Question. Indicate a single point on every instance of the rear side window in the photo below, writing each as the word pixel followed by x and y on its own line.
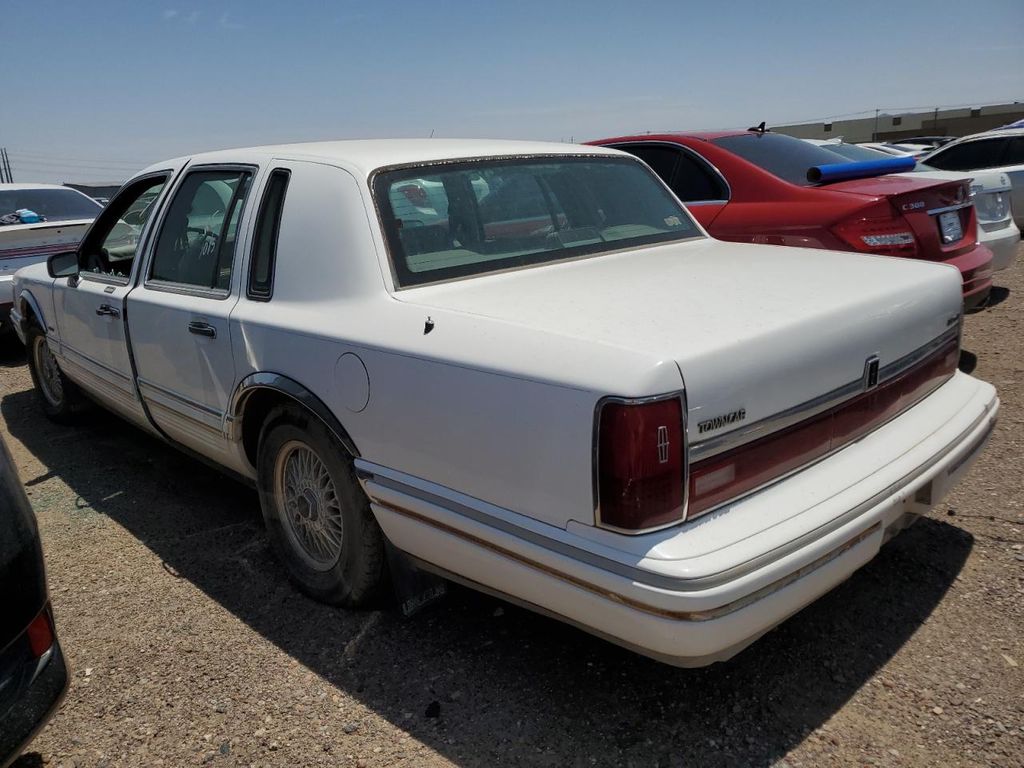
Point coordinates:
pixel 1015 152
pixel 268 225
pixel 661 159
pixel 197 240
pixel 691 179
pixel 970 156
pixel 694 182
pixel 780 155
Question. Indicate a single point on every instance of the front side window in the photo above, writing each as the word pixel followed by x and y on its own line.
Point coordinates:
pixel 970 156
pixel 469 218
pixel 110 247
pixel 197 240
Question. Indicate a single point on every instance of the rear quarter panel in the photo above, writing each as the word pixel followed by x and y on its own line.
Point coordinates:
pixel 485 408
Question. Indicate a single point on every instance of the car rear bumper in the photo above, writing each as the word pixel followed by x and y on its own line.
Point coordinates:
pixel 976 272
pixel 37 687
pixel 1003 243
pixel 701 592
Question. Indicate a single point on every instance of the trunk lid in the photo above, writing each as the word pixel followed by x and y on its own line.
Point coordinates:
pixel 753 328
pixel 940 213
pixel 23 244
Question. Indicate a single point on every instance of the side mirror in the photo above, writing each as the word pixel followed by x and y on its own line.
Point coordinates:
pixel 63 264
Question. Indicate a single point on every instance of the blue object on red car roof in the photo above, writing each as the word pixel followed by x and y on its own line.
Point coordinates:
pixel 859 170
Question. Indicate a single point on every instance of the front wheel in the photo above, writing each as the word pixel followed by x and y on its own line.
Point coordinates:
pixel 55 392
pixel 318 518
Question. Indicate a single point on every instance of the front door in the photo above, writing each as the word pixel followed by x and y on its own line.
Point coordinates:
pixel 179 313
pixel 90 305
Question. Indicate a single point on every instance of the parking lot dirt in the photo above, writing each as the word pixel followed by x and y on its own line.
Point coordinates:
pixel 188 646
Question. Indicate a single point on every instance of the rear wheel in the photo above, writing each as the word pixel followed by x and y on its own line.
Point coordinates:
pixel 58 396
pixel 318 517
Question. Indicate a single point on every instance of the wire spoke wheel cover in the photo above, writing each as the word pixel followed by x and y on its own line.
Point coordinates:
pixel 49 374
pixel 308 503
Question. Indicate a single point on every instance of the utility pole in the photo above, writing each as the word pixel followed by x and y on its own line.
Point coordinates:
pixel 6 166
pixel 874 136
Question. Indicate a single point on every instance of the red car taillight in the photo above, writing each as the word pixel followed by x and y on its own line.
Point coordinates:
pixel 641 464
pixel 40 634
pixel 888 236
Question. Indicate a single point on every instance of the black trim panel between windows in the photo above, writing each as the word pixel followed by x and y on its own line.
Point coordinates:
pixel 268 228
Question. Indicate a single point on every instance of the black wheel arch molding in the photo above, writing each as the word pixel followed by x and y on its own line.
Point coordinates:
pixel 27 299
pixel 282 385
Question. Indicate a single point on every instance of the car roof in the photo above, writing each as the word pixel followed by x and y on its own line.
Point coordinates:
pixel 671 135
pixel 993 134
pixel 17 187
pixel 368 155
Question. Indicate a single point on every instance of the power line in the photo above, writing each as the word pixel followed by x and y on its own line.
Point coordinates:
pixel 64 158
pixel 73 166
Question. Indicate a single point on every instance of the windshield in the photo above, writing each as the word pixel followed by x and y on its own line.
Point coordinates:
pixel 51 204
pixel 782 156
pixel 462 219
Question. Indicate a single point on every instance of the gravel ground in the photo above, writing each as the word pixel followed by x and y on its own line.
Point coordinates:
pixel 189 647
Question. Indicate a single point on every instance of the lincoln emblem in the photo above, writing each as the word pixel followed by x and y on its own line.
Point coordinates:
pixel 662 445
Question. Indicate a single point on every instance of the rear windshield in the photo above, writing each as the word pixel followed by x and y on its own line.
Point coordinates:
pixel 855 153
pixel 51 204
pixel 468 218
pixel 783 156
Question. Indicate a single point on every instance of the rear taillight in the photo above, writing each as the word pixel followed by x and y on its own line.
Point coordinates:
pixel 415 194
pixel 641 464
pixel 40 634
pixel 889 236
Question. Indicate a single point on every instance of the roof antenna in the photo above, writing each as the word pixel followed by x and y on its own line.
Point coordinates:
pixel 759 129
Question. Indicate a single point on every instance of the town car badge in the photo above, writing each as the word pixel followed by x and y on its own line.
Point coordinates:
pixel 720 421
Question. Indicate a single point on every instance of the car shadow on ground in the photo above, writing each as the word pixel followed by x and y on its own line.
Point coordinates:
pixel 12 352
pixel 482 682
pixel 997 296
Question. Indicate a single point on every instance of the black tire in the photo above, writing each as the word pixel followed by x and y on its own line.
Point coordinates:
pixel 58 396
pixel 354 577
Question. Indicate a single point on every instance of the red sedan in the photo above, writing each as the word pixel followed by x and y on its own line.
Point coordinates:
pixel 752 186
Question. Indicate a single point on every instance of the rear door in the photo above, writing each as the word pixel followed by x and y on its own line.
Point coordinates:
pixel 90 306
pixel 179 313
pixel 695 182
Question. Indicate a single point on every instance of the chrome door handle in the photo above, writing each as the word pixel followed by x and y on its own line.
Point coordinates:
pixel 202 329
pixel 108 311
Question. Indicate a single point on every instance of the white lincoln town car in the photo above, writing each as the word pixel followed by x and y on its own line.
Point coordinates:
pixel 525 366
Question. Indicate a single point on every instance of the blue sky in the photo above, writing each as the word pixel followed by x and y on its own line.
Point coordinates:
pixel 93 90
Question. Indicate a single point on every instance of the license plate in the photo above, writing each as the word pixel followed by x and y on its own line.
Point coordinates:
pixel 950 227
